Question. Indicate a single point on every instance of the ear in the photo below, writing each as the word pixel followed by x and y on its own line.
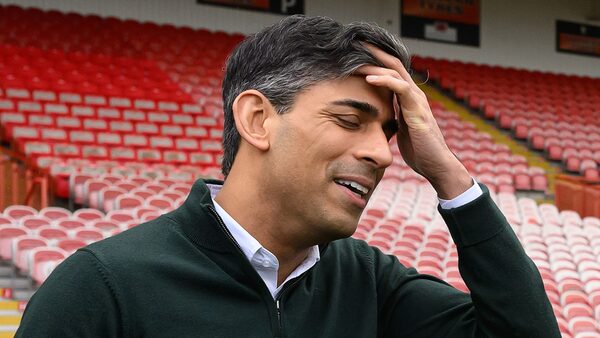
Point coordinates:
pixel 251 111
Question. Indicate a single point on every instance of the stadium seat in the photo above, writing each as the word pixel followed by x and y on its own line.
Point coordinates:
pixel 54 213
pixel 105 226
pixel 39 258
pixel 88 235
pixel 21 246
pixel 128 201
pixel 16 212
pixel 34 222
pixel 7 234
pixel 88 214
pixel 70 224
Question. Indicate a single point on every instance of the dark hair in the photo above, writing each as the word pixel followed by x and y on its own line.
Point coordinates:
pixel 282 60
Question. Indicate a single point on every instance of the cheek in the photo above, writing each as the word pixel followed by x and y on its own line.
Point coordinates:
pixel 305 154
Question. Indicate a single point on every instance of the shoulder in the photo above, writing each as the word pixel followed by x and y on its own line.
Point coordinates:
pixel 137 245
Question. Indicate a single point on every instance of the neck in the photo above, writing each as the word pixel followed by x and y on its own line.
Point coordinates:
pixel 261 218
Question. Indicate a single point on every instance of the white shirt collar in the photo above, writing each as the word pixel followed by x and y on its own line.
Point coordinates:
pixel 263 261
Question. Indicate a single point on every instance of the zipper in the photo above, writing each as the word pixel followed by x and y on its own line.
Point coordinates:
pixel 225 230
pixel 228 234
pixel 287 287
pixel 279 315
pixel 279 299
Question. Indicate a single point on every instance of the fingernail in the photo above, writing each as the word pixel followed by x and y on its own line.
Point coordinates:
pixel 372 77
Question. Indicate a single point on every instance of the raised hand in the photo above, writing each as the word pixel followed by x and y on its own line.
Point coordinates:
pixel 420 139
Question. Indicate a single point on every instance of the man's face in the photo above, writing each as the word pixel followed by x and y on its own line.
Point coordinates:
pixel 328 153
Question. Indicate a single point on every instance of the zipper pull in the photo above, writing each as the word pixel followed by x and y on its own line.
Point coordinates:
pixel 278 314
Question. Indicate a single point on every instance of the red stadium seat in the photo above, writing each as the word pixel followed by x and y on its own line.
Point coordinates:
pixel 51 233
pixel 19 211
pixel 70 245
pixel 7 234
pixel 87 214
pixel 40 257
pixel 21 246
pixel 33 222
pixel 54 213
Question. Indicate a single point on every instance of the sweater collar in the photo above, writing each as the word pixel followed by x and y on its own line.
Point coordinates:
pixel 200 221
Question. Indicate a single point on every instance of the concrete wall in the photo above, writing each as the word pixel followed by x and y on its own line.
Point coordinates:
pixel 513 33
pixel 519 34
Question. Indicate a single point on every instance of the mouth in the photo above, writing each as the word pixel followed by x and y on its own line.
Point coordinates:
pixel 357 189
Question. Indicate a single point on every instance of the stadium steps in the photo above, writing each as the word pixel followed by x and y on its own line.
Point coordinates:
pixel 15 283
pixel 498 136
pixel 10 280
pixel 5 270
pixel 7 334
pixel 10 317
pixel 21 287
pixel 10 310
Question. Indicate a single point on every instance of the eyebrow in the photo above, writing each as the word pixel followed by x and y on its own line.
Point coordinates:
pixel 358 105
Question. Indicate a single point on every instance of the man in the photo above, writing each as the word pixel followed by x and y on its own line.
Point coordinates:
pixel 310 106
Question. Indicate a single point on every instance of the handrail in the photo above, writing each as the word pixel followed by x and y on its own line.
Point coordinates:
pixel 35 177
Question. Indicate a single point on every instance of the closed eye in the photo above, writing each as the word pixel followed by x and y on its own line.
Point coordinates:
pixel 349 121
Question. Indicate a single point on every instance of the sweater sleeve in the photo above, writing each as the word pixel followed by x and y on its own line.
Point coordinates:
pixel 75 301
pixel 507 297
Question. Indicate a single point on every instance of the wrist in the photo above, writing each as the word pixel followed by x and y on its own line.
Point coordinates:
pixel 453 184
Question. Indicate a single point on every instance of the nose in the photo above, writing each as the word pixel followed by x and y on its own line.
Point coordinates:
pixel 375 148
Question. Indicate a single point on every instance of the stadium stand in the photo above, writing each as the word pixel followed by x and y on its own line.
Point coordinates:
pixel 491 163
pixel 402 220
pixel 125 115
pixel 536 107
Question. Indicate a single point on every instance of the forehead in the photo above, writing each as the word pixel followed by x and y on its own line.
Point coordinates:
pixel 351 88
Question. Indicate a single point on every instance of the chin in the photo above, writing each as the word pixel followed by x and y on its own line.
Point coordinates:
pixel 341 229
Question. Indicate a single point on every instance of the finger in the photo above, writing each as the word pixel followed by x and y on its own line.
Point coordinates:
pixel 396 65
pixel 376 70
pixel 412 113
pixel 397 85
pixel 390 61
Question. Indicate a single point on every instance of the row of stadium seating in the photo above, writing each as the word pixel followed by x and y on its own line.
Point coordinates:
pixel 109 192
pixel 35 242
pixel 21 235
pixel 52 102
pixel 537 107
pixel 73 170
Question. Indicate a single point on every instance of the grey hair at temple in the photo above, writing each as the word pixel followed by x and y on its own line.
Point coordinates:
pixel 297 52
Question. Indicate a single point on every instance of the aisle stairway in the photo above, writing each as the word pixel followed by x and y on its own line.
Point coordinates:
pixel 10 317
pixel 533 159
pixel 14 293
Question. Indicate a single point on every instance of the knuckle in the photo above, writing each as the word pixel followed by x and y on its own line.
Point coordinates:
pixel 397 63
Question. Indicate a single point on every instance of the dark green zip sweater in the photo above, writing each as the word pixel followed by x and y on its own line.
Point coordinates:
pixel 182 275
